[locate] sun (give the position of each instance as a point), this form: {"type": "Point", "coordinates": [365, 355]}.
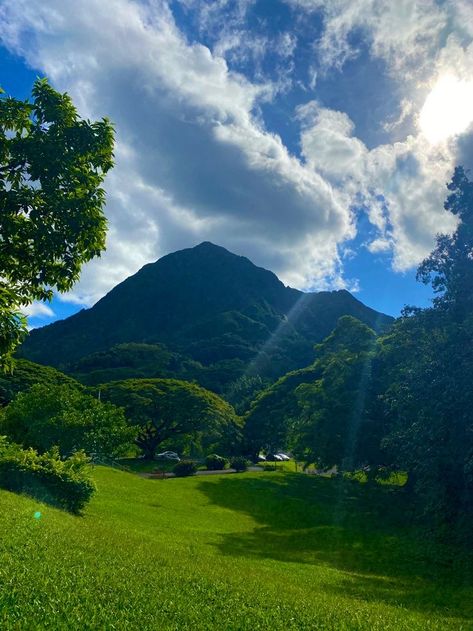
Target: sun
{"type": "Point", "coordinates": [448, 109]}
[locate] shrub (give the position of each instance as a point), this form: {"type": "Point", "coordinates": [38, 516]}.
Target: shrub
{"type": "Point", "coordinates": [269, 467]}
{"type": "Point", "coordinates": [185, 468]}
{"type": "Point", "coordinates": [46, 477]}
{"type": "Point", "coordinates": [213, 462]}
{"type": "Point", "coordinates": [239, 463]}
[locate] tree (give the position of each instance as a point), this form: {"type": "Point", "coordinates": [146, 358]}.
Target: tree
{"type": "Point", "coordinates": [62, 416]}
{"type": "Point", "coordinates": [426, 366]}
{"type": "Point", "coordinates": [241, 392]}
{"type": "Point", "coordinates": [449, 268]}
{"type": "Point", "coordinates": [166, 409]}
{"type": "Point", "coordinates": [334, 406]}
{"type": "Point", "coordinates": [52, 164]}
{"type": "Point", "coordinates": [27, 374]}
{"type": "Point", "coordinates": [318, 411]}
{"type": "Point", "coordinates": [274, 411]}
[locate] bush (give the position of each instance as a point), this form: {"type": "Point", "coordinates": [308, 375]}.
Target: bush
{"type": "Point", "coordinates": [185, 468]}
{"type": "Point", "coordinates": [269, 467]}
{"type": "Point", "coordinates": [46, 477]}
{"type": "Point", "coordinates": [239, 463]}
{"type": "Point", "coordinates": [213, 462]}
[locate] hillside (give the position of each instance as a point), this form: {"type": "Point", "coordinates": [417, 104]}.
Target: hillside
{"type": "Point", "coordinates": [246, 551]}
{"type": "Point", "coordinates": [204, 305]}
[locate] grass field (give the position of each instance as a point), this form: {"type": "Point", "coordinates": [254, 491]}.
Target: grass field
{"type": "Point", "coordinates": [229, 552]}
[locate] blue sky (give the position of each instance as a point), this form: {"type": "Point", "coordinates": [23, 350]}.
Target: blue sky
{"type": "Point", "coordinates": [314, 137]}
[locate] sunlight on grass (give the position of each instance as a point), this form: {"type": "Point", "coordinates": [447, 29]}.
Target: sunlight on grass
{"type": "Point", "coordinates": [246, 551]}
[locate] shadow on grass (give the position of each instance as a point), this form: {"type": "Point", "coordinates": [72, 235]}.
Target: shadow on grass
{"type": "Point", "coordinates": [363, 532]}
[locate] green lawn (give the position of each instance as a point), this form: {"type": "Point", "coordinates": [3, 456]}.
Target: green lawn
{"type": "Point", "coordinates": [231, 552]}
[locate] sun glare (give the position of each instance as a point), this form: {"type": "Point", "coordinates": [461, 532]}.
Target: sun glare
{"type": "Point", "coordinates": [448, 109]}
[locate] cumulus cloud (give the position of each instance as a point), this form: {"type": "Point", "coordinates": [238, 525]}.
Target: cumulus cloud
{"type": "Point", "coordinates": [194, 160]}
{"type": "Point", "coordinates": [400, 185]}
{"type": "Point", "coordinates": [195, 157]}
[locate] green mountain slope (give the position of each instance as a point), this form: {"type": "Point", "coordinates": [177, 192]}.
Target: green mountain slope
{"type": "Point", "coordinates": [207, 305]}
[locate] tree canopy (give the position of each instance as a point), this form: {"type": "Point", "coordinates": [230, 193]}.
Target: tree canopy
{"type": "Point", "coordinates": [426, 363]}
{"type": "Point", "coordinates": [27, 374]}
{"type": "Point", "coordinates": [449, 268]}
{"type": "Point", "coordinates": [52, 164]}
{"type": "Point", "coordinates": [169, 408]}
{"type": "Point", "coordinates": [60, 415]}
{"type": "Point", "coordinates": [334, 406]}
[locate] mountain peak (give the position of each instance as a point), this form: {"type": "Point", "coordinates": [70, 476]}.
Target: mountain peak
{"type": "Point", "coordinates": [208, 245]}
{"type": "Point", "coordinates": [209, 305]}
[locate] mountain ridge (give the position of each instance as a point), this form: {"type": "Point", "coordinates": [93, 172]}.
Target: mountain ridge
{"type": "Point", "coordinates": [205, 303]}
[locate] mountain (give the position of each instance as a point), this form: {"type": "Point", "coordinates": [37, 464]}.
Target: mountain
{"type": "Point", "coordinates": [197, 312]}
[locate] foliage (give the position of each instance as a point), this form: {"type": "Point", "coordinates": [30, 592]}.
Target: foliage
{"type": "Point", "coordinates": [27, 374]}
{"type": "Point", "coordinates": [61, 415]}
{"type": "Point", "coordinates": [239, 463]}
{"type": "Point", "coordinates": [185, 468]}
{"type": "Point", "coordinates": [428, 400]}
{"type": "Point", "coordinates": [166, 409]}
{"type": "Point", "coordinates": [319, 411]}
{"type": "Point", "coordinates": [449, 268]}
{"type": "Point", "coordinates": [47, 477]}
{"type": "Point", "coordinates": [244, 390]}
{"type": "Point", "coordinates": [425, 376]}
{"type": "Point", "coordinates": [138, 361]}
{"type": "Point", "coordinates": [214, 462]}
{"type": "Point", "coordinates": [269, 420]}
{"type": "Point", "coordinates": [331, 424]}
{"type": "Point", "coordinates": [52, 164]}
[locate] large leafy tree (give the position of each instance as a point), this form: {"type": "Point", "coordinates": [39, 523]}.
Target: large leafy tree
{"type": "Point", "coordinates": [52, 164]}
{"type": "Point", "coordinates": [319, 411]}
{"type": "Point", "coordinates": [166, 409]}
{"type": "Point", "coordinates": [449, 268]}
{"type": "Point", "coordinates": [426, 366]}
{"type": "Point", "coordinates": [62, 416]}
{"type": "Point", "coordinates": [274, 412]}
{"type": "Point", "coordinates": [334, 407]}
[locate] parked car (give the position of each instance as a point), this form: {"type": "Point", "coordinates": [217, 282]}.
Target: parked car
{"type": "Point", "coordinates": [283, 456]}
{"type": "Point", "coordinates": [168, 455]}
{"type": "Point", "coordinates": [261, 458]}
{"type": "Point", "coordinates": [274, 457]}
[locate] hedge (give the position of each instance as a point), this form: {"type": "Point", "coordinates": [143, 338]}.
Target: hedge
{"type": "Point", "coordinates": [65, 483]}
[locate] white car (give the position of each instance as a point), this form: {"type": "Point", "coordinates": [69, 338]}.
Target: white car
{"type": "Point", "coordinates": [283, 456]}
{"type": "Point", "coordinates": [168, 455]}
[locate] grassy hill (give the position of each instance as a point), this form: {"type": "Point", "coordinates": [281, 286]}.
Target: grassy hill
{"type": "Point", "coordinates": [246, 551]}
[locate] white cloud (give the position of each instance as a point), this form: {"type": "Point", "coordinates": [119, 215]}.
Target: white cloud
{"type": "Point", "coordinates": [328, 145]}
{"type": "Point", "coordinates": [194, 160]}
{"type": "Point", "coordinates": [38, 310]}
{"type": "Point", "coordinates": [402, 184]}
{"type": "Point", "coordinates": [403, 33]}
